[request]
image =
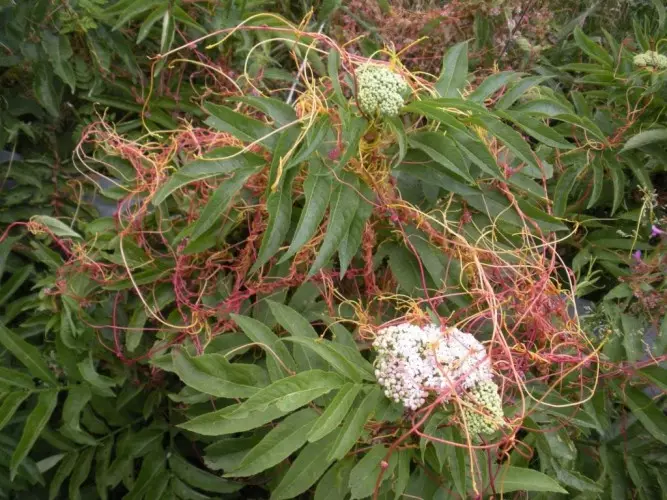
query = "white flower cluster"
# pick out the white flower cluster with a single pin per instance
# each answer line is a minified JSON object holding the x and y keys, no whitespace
{"x":413,"y":361}
{"x":380,"y":91}
{"x":650,"y":58}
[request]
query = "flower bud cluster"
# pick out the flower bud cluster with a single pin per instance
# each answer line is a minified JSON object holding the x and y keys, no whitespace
{"x":650,"y":58}
{"x":380,"y":91}
{"x":483,"y":413}
{"x":413,"y":361}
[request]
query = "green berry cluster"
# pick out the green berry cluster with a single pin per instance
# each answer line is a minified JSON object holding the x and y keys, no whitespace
{"x":524,"y":44}
{"x":652,"y":59}
{"x":380,"y":91}
{"x":484,"y":412}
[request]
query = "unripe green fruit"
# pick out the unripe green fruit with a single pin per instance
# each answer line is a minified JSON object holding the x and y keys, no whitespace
{"x":484,"y":412}
{"x":380,"y":91}
{"x":650,"y":58}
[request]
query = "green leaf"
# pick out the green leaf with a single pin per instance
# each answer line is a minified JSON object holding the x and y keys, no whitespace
{"x":618,"y":181}
{"x":10,"y":404}
{"x":63,"y":472}
{"x":290,"y":393}
{"x":56,"y":226}
{"x":220,"y":161}
{"x":511,"y":139}
{"x":80,"y":472}
{"x":335,"y":412}
{"x":130,"y":11}
{"x":353,"y":425}
{"x":37,"y":420}
{"x":182,"y":490}
{"x":432,"y":429}
{"x":405,"y":268}
{"x":344,"y":203}
{"x":327,"y":8}
{"x":157,"y":488}
{"x":279,"y":111}
{"x":543,"y":107}
{"x":537,"y":130}
{"x":651,"y":417}
{"x":279,"y":206}
{"x":633,"y":342}
{"x":638,"y":472}
{"x":219,"y":202}
{"x":492,"y":84}
{"x":640,"y":171}
{"x":308,"y":467}
{"x":217,"y":423}
{"x":353,"y":129}
{"x":269,"y":341}
{"x":227,"y":453}
{"x":213,"y":374}
{"x":442,"y":150}
{"x":199,"y":478}
{"x":283,"y":440}
{"x":402,"y":476}
{"x":519,"y":479}
{"x":591,"y":48}
{"x":352,"y":240}
{"x":317,"y":190}
{"x":662,"y":12}
{"x":477,"y":153}
{"x":333,"y":68}
{"x":645,"y":138}
{"x":345,"y":360}
{"x":167,"y":36}
{"x":26,"y":354}
{"x":102,"y":459}
{"x":149,"y":22}
{"x":298,"y":326}
{"x":162,"y":296}
{"x":60,"y":51}
{"x":576,"y":480}
{"x":5,"y":249}
{"x":100,"y":383}
{"x":564,"y":186}
{"x":292,"y":321}
{"x":42,"y":86}
{"x":268,"y":404}
{"x":239,"y":125}
{"x":151,"y":467}
{"x":456,"y":458}
{"x":398,"y":128}
{"x":364,"y":476}
{"x":77,"y":398}
{"x":598,"y":182}
{"x":454,"y":71}
{"x":614,"y":466}
{"x":518,"y":89}
{"x":315,"y":137}
{"x":334,"y":484}
{"x":432,"y":110}
{"x":584,"y":123}
{"x":655,"y":374}
{"x":16,"y":378}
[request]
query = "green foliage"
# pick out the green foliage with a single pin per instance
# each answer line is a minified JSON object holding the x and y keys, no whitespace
{"x":209,"y":335}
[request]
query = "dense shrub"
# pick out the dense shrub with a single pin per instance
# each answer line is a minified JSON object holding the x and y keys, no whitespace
{"x":365,"y":286}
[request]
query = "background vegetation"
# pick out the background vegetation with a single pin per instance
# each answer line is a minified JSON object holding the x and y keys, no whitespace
{"x":201,"y":234}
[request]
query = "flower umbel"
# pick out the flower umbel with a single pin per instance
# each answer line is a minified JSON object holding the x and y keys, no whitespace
{"x":483,"y":413}
{"x":650,"y":58}
{"x":380,"y":91}
{"x":414,"y":361}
